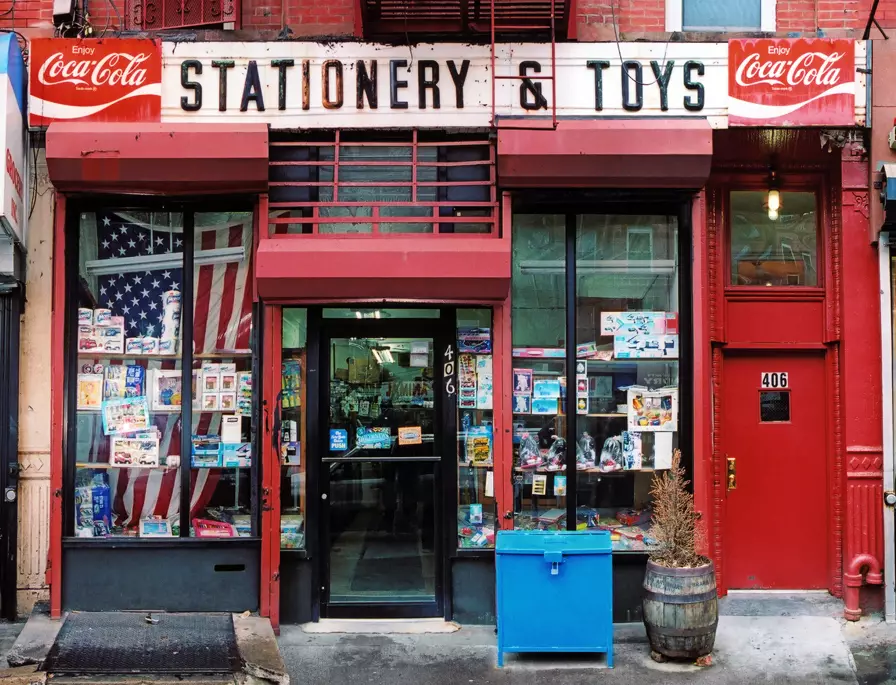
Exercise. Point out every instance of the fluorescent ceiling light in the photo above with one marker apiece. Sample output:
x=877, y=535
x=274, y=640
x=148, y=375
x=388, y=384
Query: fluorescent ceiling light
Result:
x=173, y=260
x=378, y=357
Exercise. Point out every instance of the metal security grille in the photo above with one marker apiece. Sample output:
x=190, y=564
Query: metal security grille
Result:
x=463, y=16
x=129, y=643
x=395, y=184
x=149, y=15
x=774, y=406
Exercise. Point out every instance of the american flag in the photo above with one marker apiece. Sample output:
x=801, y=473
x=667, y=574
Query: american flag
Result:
x=222, y=319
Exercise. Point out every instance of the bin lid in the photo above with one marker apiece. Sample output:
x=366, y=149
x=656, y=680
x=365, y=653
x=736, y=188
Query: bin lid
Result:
x=565, y=541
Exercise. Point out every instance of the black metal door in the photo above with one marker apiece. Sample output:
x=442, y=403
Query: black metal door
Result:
x=380, y=484
x=11, y=304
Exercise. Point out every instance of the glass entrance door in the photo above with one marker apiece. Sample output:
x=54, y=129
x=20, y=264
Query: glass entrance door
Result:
x=380, y=473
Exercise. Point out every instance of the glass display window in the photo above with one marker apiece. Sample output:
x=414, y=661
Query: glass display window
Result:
x=145, y=358
x=292, y=443
x=588, y=435
x=476, y=511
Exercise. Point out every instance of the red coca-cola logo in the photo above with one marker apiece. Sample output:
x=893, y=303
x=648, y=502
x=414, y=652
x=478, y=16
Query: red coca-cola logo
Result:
x=791, y=82
x=811, y=68
x=115, y=69
x=110, y=79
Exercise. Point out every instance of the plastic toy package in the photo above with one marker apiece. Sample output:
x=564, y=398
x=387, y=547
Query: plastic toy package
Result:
x=586, y=455
x=557, y=456
x=529, y=454
x=611, y=454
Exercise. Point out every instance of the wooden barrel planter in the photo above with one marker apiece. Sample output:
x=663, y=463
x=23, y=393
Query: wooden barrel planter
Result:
x=681, y=610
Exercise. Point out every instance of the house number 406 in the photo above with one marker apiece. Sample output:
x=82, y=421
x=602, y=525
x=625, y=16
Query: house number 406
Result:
x=448, y=370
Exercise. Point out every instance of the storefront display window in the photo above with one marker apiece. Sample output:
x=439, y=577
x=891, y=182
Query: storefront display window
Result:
x=539, y=371
x=622, y=423
x=774, y=238
x=292, y=411
x=130, y=335
x=476, y=513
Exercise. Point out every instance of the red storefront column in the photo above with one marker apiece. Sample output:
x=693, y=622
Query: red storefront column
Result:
x=860, y=526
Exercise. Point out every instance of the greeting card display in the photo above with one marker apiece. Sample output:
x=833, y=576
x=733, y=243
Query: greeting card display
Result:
x=126, y=415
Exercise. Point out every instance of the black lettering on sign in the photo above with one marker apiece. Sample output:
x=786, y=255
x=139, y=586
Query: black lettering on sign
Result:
x=195, y=86
x=252, y=89
x=459, y=77
x=598, y=65
x=424, y=84
x=306, y=84
x=528, y=88
x=628, y=67
x=366, y=84
x=690, y=103
x=282, y=65
x=662, y=80
x=222, y=65
x=395, y=84
x=336, y=66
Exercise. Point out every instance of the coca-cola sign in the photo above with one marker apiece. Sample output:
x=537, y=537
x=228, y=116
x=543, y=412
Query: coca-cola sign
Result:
x=106, y=79
x=791, y=82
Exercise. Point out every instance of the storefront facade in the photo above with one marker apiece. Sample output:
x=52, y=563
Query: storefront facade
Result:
x=400, y=269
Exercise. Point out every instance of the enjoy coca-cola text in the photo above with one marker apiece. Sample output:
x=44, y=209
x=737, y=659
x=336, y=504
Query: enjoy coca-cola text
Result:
x=115, y=69
x=810, y=68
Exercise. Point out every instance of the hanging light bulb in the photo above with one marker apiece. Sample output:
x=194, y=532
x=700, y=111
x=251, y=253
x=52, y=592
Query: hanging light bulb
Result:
x=772, y=214
x=774, y=200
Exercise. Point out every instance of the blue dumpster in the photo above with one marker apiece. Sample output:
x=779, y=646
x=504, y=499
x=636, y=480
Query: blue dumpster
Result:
x=555, y=592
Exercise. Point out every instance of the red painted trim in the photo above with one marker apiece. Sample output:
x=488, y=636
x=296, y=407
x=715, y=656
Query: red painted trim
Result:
x=702, y=367
x=504, y=390
x=270, y=467
x=260, y=232
x=57, y=408
x=272, y=464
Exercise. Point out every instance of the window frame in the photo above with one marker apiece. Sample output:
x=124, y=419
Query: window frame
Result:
x=189, y=208
x=767, y=18
x=800, y=184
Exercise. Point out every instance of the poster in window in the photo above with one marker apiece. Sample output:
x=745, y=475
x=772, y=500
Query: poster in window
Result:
x=652, y=410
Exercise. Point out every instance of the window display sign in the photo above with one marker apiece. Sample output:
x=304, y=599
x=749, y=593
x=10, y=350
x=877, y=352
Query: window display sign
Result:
x=108, y=79
x=12, y=102
x=653, y=410
x=376, y=438
x=792, y=82
x=338, y=440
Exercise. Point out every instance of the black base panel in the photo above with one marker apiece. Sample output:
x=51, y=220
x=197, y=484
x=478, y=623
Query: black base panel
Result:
x=628, y=587
x=473, y=590
x=295, y=589
x=101, y=642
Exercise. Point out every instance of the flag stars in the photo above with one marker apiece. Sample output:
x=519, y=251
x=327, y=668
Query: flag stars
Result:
x=123, y=228
x=166, y=274
x=106, y=244
x=150, y=329
x=127, y=287
x=121, y=251
x=135, y=301
x=126, y=310
x=132, y=323
x=142, y=315
x=178, y=242
x=153, y=305
x=131, y=243
x=138, y=279
x=102, y=290
x=144, y=293
x=107, y=221
x=175, y=285
x=118, y=296
x=160, y=242
x=113, y=235
x=155, y=283
x=141, y=237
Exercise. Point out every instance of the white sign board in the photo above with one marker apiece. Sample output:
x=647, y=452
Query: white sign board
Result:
x=292, y=85
x=12, y=142
x=775, y=380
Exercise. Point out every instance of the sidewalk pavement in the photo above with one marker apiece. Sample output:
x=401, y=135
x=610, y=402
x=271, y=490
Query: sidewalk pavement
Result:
x=778, y=639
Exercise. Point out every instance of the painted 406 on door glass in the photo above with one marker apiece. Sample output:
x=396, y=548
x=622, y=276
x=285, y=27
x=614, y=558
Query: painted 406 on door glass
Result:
x=95, y=80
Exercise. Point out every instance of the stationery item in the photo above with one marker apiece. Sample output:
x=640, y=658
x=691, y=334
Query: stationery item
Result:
x=87, y=339
x=114, y=381
x=559, y=486
x=113, y=345
x=85, y=316
x=135, y=381
x=544, y=406
x=244, y=393
x=128, y=415
x=84, y=511
x=133, y=346
x=167, y=346
x=228, y=382
x=102, y=317
x=539, y=484
x=211, y=401
x=206, y=528
x=90, y=390
x=170, y=315
x=489, y=483
x=466, y=376
x=652, y=410
x=101, y=503
x=475, y=513
x=211, y=381
x=645, y=346
x=546, y=388
x=167, y=390
x=522, y=381
x=150, y=345
x=236, y=455
x=478, y=445
x=649, y=323
x=227, y=401
x=522, y=404
x=231, y=428
x=130, y=452
x=155, y=527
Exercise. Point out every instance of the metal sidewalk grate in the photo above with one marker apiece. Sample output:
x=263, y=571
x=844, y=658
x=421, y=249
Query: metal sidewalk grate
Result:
x=113, y=643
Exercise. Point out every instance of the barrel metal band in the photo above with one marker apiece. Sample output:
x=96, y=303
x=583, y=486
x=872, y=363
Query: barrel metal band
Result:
x=681, y=599
x=684, y=632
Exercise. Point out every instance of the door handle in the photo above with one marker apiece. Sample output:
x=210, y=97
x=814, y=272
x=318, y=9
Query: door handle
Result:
x=732, y=473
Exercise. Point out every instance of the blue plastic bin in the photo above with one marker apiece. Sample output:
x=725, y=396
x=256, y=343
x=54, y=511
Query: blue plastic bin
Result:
x=555, y=592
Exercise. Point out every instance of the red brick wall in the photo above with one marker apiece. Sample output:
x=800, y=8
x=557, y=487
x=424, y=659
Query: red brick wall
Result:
x=594, y=18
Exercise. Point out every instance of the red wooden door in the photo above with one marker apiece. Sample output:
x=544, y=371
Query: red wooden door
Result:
x=776, y=528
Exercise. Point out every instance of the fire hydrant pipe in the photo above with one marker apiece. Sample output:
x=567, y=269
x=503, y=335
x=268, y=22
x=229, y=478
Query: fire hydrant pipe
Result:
x=861, y=565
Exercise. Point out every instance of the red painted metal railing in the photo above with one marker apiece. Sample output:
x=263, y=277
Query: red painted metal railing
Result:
x=149, y=15
x=431, y=187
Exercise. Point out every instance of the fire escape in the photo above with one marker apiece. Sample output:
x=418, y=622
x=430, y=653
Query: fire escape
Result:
x=480, y=21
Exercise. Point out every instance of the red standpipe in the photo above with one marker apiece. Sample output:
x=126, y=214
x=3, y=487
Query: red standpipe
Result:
x=861, y=564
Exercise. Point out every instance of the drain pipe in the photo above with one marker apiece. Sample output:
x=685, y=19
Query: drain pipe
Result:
x=861, y=564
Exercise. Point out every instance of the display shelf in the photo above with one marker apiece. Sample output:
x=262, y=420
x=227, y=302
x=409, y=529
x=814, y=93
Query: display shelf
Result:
x=463, y=464
x=83, y=354
x=520, y=469
x=103, y=465
x=170, y=411
x=613, y=415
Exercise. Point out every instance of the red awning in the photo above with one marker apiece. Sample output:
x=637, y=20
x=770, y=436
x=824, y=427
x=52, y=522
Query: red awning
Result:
x=174, y=159
x=607, y=153
x=435, y=268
